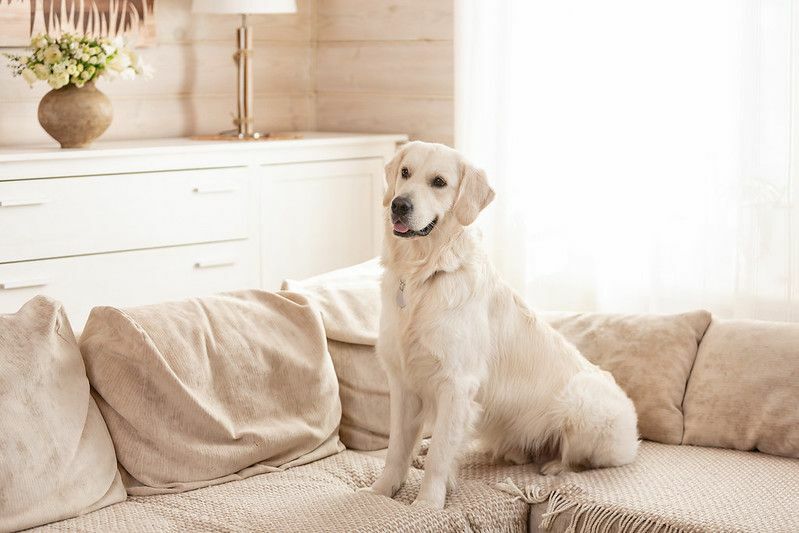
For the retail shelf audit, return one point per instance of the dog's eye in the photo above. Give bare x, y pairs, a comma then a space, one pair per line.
438, 182
405, 173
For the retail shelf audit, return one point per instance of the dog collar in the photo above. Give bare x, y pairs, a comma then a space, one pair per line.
401, 294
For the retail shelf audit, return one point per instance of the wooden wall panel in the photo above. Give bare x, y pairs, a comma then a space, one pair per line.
386, 66
393, 67
424, 118
393, 20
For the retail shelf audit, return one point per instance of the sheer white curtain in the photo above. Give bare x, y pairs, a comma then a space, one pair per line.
642, 151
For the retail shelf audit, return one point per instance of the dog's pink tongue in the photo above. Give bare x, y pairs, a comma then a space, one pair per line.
399, 227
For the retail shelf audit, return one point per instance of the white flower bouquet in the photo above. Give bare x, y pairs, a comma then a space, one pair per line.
77, 60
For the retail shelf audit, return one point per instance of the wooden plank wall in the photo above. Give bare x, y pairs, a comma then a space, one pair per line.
385, 65
337, 65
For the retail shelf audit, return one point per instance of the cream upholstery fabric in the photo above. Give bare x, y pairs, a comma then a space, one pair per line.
744, 388
349, 300
213, 389
363, 388
673, 488
57, 457
319, 497
668, 488
649, 355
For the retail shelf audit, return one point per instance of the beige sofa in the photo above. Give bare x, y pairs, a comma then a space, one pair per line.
204, 442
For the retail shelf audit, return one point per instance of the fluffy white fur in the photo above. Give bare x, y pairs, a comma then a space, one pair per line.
468, 354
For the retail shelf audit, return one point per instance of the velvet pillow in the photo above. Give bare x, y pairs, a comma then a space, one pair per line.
57, 457
744, 388
650, 356
208, 390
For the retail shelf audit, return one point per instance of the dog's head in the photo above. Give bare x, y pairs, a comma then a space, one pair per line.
427, 183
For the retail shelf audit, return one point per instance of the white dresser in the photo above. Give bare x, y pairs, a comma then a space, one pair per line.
130, 223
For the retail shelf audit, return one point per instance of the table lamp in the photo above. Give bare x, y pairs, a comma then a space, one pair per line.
244, 120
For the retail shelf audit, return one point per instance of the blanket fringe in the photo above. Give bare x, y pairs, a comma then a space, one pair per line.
588, 517
530, 494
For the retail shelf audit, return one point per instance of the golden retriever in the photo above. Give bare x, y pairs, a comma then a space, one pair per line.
463, 350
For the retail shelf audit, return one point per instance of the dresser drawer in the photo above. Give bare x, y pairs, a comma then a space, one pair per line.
62, 217
131, 278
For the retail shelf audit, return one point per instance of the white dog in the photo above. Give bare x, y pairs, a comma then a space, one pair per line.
460, 347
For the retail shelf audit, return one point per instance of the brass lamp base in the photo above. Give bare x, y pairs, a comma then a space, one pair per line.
244, 121
235, 136
243, 135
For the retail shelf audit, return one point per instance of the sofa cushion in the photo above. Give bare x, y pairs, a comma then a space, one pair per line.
650, 356
669, 488
319, 497
349, 301
744, 388
57, 457
363, 388
211, 389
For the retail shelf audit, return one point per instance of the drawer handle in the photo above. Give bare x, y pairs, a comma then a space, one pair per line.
214, 263
23, 284
21, 202
201, 189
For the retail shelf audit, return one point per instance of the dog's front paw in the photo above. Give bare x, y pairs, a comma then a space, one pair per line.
383, 487
427, 504
433, 499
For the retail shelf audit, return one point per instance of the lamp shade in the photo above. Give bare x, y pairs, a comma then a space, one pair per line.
242, 7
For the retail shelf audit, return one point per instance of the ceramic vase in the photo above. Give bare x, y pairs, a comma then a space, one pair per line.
75, 116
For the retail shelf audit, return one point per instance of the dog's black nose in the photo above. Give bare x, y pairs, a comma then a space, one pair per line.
401, 206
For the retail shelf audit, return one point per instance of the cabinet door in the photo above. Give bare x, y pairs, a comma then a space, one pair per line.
317, 217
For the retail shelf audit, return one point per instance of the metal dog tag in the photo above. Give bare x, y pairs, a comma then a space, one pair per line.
401, 295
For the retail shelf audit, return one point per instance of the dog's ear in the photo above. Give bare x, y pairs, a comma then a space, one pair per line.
392, 169
474, 194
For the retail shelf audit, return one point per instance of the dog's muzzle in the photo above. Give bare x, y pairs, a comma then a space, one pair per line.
401, 208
